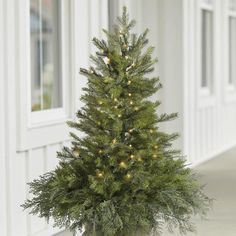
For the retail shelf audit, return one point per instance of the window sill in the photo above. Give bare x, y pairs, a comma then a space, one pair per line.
205, 98
47, 117
230, 94
43, 135
207, 6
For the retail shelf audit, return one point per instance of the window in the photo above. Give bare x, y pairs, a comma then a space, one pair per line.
232, 5
207, 49
232, 50
46, 80
229, 59
44, 91
231, 21
206, 52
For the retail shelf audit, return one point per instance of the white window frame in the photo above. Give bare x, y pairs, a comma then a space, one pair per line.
42, 117
39, 128
205, 95
229, 89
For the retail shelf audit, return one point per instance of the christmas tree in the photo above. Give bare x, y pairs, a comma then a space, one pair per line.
123, 177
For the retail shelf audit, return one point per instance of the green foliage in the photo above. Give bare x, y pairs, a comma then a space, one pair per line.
122, 178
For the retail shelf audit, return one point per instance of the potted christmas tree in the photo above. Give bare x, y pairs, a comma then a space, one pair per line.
123, 178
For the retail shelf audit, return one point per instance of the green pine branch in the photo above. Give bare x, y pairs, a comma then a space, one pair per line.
122, 177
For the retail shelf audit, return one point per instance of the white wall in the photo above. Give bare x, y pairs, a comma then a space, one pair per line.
18, 168
209, 124
170, 46
3, 219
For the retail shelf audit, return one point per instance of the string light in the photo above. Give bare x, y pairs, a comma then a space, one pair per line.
139, 159
100, 151
129, 82
151, 131
116, 107
131, 102
126, 57
114, 141
115, 99
119, 115
129, 94
76, 152
130, 130
128, 176
155, 146
130, 146
100, 103
154, 156
131, 156
136, 108
99, 174
122, 164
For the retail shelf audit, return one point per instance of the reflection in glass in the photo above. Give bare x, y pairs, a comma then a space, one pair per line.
46, 91
232, 4
207, 49
232, 50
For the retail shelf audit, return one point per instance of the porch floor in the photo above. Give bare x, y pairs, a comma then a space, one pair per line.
219, 175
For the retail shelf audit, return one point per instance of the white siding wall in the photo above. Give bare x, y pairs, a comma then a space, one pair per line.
170, 49
18, 168
207, 126
210, 127
3, 196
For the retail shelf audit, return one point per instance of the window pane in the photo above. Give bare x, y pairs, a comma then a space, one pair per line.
232, 50
46, 90
207, 48
232, 4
